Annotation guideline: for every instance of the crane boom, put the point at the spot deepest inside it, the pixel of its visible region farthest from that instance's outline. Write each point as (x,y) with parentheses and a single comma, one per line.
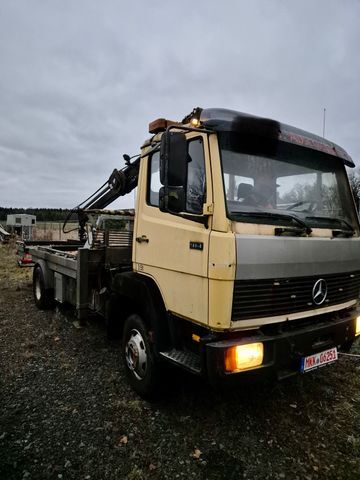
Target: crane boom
(120,183)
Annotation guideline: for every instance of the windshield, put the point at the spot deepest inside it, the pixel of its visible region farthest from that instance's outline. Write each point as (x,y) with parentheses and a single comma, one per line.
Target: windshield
(280,179)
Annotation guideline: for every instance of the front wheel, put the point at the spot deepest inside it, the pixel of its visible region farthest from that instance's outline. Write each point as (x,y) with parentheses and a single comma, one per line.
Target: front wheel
(142,368)
(44,298)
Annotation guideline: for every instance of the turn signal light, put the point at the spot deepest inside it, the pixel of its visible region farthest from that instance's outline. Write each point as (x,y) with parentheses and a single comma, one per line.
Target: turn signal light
(244,357)
(357,326)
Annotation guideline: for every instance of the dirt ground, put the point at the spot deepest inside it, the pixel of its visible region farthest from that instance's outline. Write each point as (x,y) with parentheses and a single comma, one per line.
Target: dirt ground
(66,411)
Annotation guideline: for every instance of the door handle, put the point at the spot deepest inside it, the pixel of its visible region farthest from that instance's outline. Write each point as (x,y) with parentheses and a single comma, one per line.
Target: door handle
(142,239)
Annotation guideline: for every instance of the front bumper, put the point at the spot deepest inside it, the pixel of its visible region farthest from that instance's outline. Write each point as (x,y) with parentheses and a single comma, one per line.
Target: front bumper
(284,349)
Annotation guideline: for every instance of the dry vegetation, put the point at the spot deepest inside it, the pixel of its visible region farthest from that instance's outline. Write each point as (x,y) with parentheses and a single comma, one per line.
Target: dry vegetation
(66,411)
(53,231)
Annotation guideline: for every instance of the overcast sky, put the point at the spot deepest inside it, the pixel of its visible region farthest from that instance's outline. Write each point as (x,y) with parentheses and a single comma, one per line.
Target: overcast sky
(81,80)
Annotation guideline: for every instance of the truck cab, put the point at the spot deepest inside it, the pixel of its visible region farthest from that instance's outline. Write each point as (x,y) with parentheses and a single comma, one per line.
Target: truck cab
(256,242)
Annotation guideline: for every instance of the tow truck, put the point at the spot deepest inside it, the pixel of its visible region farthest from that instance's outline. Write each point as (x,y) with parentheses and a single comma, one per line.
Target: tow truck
(241,258)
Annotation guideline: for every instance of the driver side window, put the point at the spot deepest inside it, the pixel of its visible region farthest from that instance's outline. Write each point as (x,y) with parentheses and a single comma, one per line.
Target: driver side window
(154,184)
(195,185)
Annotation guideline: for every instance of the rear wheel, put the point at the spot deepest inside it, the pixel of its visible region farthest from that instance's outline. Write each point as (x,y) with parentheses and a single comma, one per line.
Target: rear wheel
(142,368)
(44,297)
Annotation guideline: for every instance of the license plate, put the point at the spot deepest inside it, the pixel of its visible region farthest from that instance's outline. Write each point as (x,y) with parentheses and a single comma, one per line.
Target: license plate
(318,359)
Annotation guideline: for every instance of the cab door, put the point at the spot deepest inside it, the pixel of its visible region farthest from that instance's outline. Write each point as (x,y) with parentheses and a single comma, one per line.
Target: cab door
(171,249)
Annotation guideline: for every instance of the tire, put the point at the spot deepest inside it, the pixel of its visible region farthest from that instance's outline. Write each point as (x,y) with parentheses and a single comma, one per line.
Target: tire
(141,366)
(43,297)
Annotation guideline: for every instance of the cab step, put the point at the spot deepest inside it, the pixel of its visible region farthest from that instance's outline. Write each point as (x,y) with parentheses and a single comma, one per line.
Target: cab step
(186,359)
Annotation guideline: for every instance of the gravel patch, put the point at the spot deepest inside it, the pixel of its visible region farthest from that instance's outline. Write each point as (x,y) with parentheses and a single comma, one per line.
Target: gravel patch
(66,411)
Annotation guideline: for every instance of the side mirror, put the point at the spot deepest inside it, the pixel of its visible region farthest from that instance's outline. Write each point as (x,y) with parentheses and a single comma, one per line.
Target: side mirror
(173,171)
(174,201)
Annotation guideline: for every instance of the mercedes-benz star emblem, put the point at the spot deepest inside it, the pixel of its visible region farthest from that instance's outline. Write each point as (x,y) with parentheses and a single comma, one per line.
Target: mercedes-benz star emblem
(319,291)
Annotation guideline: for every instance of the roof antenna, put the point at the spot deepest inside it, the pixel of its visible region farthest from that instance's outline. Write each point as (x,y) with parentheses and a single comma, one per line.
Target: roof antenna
(324,118)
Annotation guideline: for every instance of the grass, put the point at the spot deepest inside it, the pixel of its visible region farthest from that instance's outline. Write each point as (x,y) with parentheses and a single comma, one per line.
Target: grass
(10,273)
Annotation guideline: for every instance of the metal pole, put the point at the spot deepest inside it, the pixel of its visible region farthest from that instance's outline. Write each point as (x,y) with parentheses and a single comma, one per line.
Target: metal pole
(324,119)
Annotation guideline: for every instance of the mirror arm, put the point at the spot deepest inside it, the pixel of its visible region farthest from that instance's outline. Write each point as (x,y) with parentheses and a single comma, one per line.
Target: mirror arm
(203,219)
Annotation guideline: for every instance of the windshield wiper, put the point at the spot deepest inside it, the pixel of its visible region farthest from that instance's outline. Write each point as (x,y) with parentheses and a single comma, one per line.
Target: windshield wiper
(301,229)
(349,232)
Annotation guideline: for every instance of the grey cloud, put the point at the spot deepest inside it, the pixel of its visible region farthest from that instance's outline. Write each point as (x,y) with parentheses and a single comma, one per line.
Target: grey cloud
(81,81)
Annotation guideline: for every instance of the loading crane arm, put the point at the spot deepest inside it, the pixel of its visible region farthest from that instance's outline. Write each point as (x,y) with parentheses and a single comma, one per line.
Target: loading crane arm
(120,183)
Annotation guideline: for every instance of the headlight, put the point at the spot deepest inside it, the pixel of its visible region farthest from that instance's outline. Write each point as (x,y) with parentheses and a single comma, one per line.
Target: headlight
(244,357)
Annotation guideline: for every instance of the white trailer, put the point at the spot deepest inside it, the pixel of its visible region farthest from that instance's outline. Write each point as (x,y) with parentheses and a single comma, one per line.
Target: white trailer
(22,224)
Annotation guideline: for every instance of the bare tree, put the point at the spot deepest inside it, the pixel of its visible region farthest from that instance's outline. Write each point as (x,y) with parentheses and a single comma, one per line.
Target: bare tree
(354,178)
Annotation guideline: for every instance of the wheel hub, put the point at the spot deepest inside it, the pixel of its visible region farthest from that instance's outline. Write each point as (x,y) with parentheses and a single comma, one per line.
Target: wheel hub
(135,354)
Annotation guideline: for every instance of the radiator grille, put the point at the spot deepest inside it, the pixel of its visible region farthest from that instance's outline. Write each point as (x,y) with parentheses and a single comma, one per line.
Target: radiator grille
(264,298)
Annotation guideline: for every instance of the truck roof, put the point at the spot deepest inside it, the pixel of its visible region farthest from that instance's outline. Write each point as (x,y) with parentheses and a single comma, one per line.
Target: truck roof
(223,120)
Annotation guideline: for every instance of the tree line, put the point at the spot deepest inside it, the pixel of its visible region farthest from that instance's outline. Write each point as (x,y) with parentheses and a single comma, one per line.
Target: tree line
(42,214)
